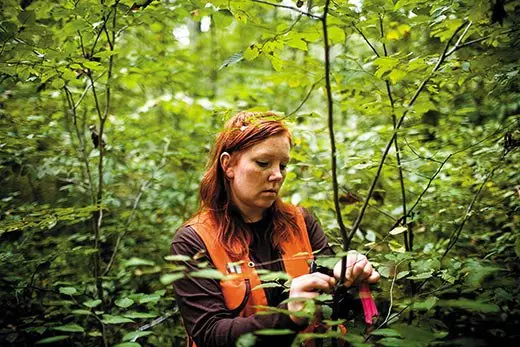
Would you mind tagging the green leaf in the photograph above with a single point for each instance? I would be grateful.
(105, 54)
(384, 65)
(402, 274)
(136, 335)
(109, 319)
(246, 340)
(233, 59)
(140, 315)
(425, 305)
(392, 342)
(170, 278)
(336, 35)
(124, 303)
(82, 312)
(223, 18)
(92, 303)
(268, 285)
(398, 230)
(128, 344)
(421, 276)
(70, 328)
(68, 290)
(92, 65)
(134, 261)
(251, 52)
(177, 257)
(274, 332)
(276, 62)
(386, 332)
(470, 305)
(52, 339)
(396, 246)
(208, 273)
(273, 276)
(149, 298)
(397, 75)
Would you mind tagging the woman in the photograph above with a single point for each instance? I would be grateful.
(242, 226)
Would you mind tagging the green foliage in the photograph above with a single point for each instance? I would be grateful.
(85, 228)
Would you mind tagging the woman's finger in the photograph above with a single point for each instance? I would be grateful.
(374, 277)
(367, 271)
(359, 266)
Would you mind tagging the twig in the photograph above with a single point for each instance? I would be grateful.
(382, 212)
(429, 184)
(305, 98)
(454, 48)
(289, 8)
(455, 235)
(72, 109)
(469, 43)
(391, 295)
(105, 20)
(155, 322)
(137, 199)
(366, 40)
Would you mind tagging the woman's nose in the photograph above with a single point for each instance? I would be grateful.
(276, 175)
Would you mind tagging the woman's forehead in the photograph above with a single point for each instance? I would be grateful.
(274, 147)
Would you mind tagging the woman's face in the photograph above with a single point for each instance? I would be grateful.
(257, 174)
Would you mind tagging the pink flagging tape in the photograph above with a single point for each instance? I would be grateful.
(369, 306)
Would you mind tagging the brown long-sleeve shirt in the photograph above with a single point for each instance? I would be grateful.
(201, 302)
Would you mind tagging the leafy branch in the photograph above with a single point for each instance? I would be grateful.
(441, 59)
(102, 117)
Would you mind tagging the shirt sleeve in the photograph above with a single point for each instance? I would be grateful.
(201, 303)
(317, 237)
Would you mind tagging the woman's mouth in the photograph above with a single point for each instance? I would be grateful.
(271, 191)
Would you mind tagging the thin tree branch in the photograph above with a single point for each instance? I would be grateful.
(472, 42)
(454, 48)
(72, 110)
(289, 8)
(102, 116)
(456, 234)
(366, 40)
(305, 98)
(391, 295)
(137, 199)
(330, 109)
(105, 20)
(408, 236)
(429, 184)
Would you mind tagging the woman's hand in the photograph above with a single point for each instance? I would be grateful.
(307, 287)
(358, 270)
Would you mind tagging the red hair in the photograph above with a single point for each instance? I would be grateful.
(241, 132)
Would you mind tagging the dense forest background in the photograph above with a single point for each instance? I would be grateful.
(405, 119)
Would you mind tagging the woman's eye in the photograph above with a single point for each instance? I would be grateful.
(262, 163)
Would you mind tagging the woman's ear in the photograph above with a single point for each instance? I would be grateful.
(225, 163)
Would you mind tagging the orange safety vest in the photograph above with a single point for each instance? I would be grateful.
(238, 288)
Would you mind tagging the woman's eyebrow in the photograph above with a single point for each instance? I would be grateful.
(271, 155)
